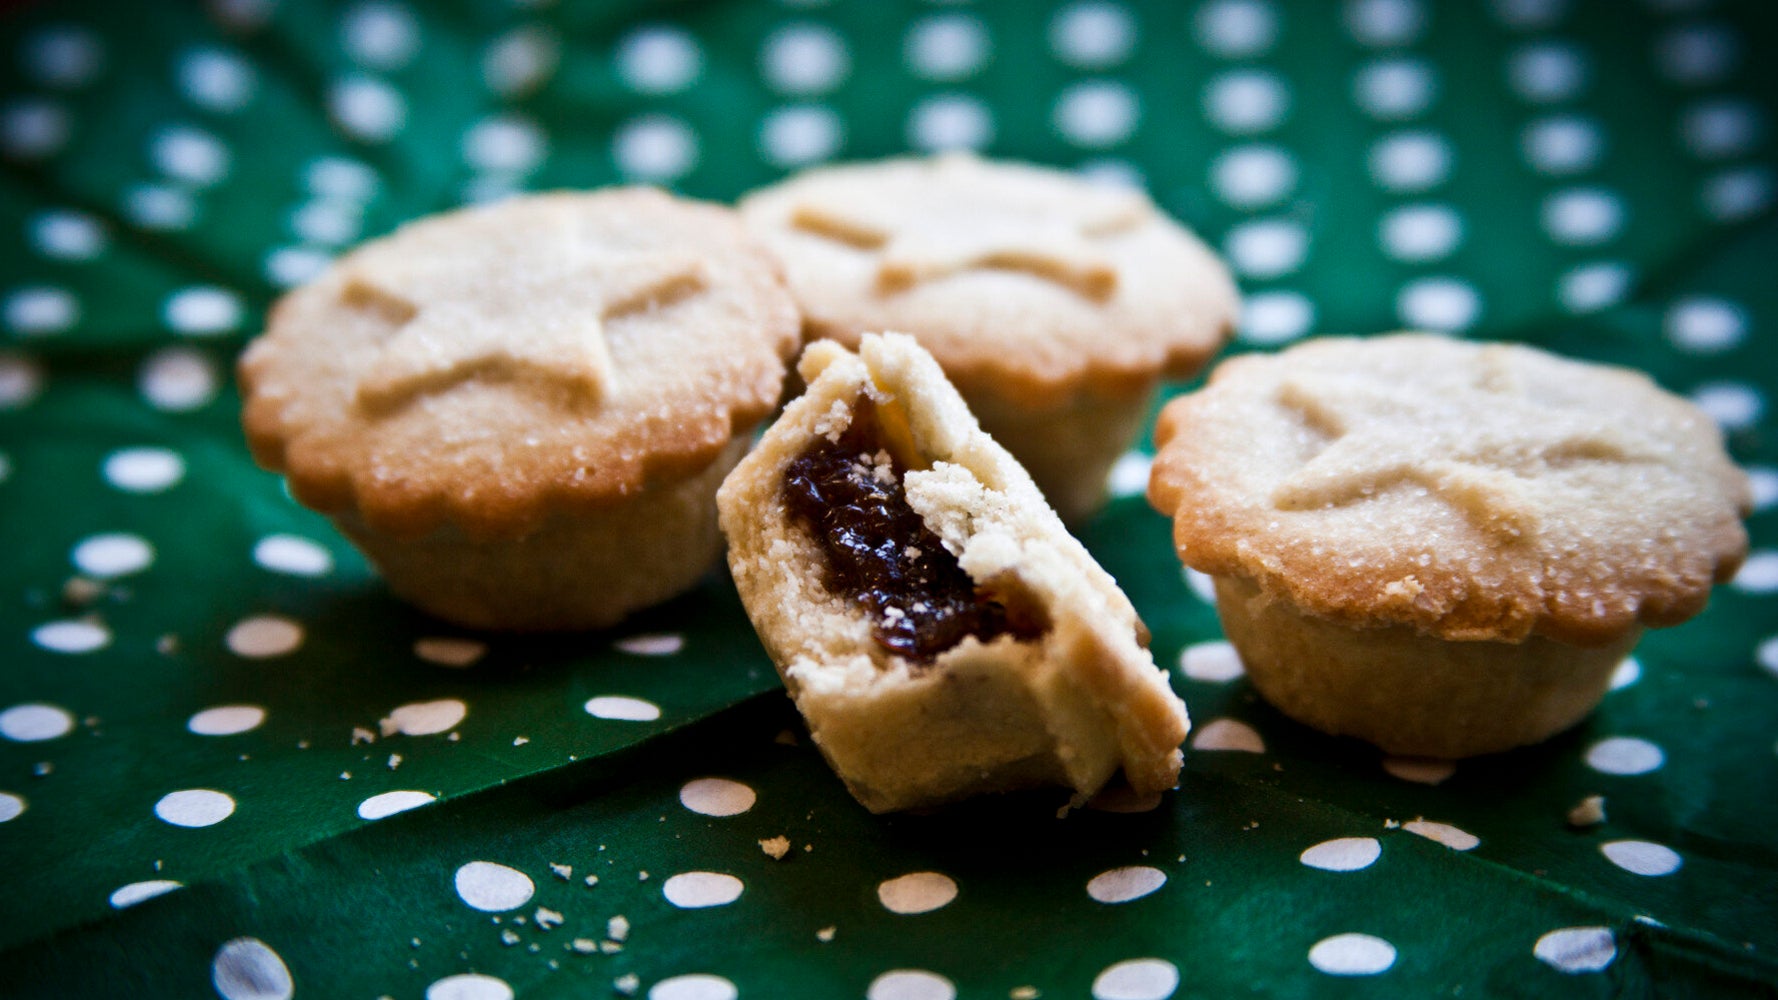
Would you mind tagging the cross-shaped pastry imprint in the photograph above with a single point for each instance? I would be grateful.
(955, 216)
(1478, 455)
(537, 314)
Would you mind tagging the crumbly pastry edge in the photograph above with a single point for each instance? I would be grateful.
(1103, 699)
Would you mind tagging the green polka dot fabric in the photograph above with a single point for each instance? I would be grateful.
(232, 765)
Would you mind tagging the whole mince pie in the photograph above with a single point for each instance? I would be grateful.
(940, 631)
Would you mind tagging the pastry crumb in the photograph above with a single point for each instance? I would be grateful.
(394, 761)
(627, 984)
(1589, 811)
(584, 946)
(563, 872)
(776, 847)
(785, 738)
(1025, 993)
(590, 880)
(363, 735)
(509, 937)
(618, 928)
(547, 919)
(825, 934)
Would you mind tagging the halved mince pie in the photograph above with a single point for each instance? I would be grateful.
(940, 631)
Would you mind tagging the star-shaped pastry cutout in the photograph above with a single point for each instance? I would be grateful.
(960, 216)
(532, 309)
(1381, 436)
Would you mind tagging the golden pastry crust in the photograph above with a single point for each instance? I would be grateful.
(1021, 280)
(488, 368)
(1467, 491)
(1071, 706)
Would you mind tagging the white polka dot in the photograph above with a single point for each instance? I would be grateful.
(1628, 672)
(621, 708)
(35, 722)
(1096, 113)
(1641, 857)
(68, 235)
(917, 892)
(216, 80)
(1092, 34)
(71, 636)
(63, 56)
(1419, 770)
(1759, 574)
(1246, 101)
(195, 807)
(505, 143)
(1443, 304)
(177, 379)
(1704, 325)
(1212, 662)
(136, 892)
(1529, 15)
(144, 470)
(949, 121)
(469, 986)
(263, 636)
(1137, 979)
(1582, 216)
(697, 890)
(1394, 89)
(1765, 486)
(1591, 287)
(1346, 854)
(1734, 195)
(159, 207)
(247, 969)
(380, 35)
(1410, 161)
(1625, 755)
(288, 267)
(1129, 474)
(694, 986)
(716, 797)
(338, 177)
(1576, 949)
(1767, 655)
(1111, 172)
(910, 984)
(449, 651)
(203, 310)
(1562, 144)
(389, 803)
(1201, 584)
(33, 129)
(799, 134)
(518, 62)
(243, 15)
(292, 554)
(493, 888)
(658, 60)
(1382, 23)
(426, 718)
(1275, 317)
(1236, 29)
(1420, 233)
(1444, 833)
(11, 806)
(1719, 129)
(189, 154)
(1228, 734)
(804, 59)
(654, 148)
(21, 379)
(328, 222)
(946, 47)
(367, 108)
(1546, 72)
(652, 644)
(1254, 176)
(1352, 955)
(40, 311)
(112, 555)
(1120, 885)
(1731, 404)
(226, 720)
(1266, 248)
(1697, 53)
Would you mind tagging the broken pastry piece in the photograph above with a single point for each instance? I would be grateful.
(940, 631)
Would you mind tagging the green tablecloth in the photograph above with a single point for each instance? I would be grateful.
(207, 700)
